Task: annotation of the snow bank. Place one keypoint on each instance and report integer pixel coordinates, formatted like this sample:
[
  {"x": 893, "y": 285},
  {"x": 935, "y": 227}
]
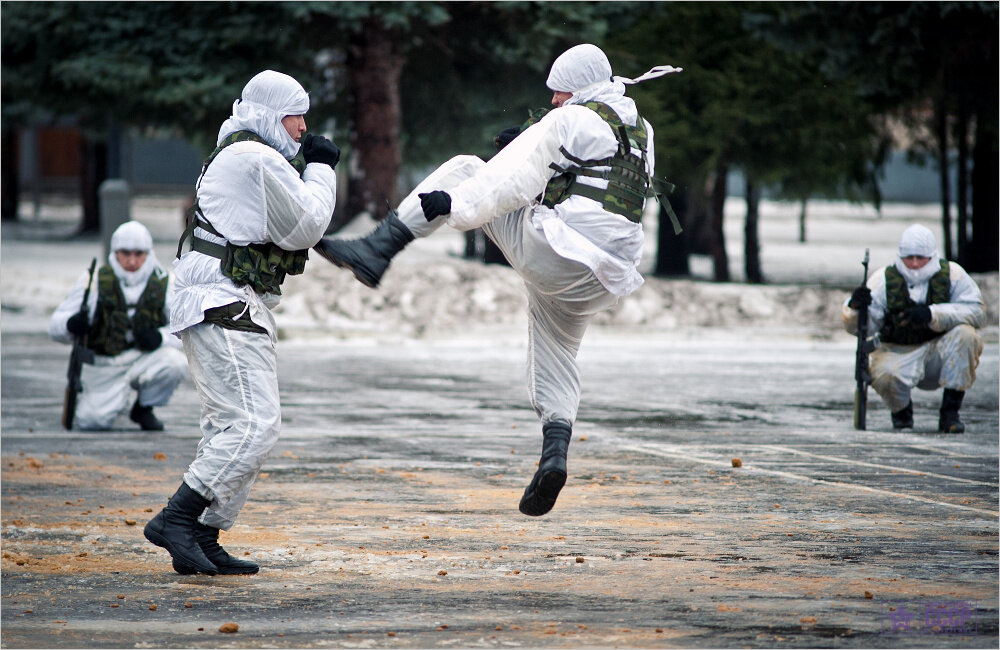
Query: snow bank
[{"x": 455, "y": 296}]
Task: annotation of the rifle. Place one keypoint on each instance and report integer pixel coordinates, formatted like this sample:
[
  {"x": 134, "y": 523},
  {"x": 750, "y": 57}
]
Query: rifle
[
  {"x": 79, "y": 356},
  {"x": 861, "y": 374}
]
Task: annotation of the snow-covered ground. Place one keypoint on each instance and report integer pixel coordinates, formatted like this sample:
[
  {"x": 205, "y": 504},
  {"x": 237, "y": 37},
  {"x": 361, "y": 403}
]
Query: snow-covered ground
[{"x": 430, "y": 291}]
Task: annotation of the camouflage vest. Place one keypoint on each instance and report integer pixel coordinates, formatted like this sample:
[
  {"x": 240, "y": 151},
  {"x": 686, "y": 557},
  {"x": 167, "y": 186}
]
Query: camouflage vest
[
  {"x": 896, "y": 329},
  {"x": 111, "y": 321},
  {"x": 262, "y": 266},
  {"x": 628, "y": 182}
]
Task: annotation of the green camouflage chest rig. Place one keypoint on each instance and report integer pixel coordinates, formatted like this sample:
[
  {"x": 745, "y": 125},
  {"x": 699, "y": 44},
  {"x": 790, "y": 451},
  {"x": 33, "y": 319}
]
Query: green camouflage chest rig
[
  {"x": 896, "y": 329},
  {"x": 262, "y": 266},
  {"x": 111, "y": 321},
  {"x": 628, "y": 182}
]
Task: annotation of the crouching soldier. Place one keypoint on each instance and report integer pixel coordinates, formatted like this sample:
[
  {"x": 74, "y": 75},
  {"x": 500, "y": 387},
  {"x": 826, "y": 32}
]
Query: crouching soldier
[
  {"x": 124, "y": 322},
  {"x": 925, "y": 312}
]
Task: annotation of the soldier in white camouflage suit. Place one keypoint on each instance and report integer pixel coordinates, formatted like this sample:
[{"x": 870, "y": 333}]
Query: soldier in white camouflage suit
[
  {"x": 563, "y": 202},
  {"x": 263, "y": 200},
  {"x": 924, "y": 312}
]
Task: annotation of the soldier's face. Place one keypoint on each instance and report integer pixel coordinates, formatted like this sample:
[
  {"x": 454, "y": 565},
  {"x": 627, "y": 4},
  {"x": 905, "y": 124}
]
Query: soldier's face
[
  {"x": 914, "y": 262},
  {"x": 295, "y": 125},
  {"x": 559, "y": 98},
  {"x": 131, "y": 261}
]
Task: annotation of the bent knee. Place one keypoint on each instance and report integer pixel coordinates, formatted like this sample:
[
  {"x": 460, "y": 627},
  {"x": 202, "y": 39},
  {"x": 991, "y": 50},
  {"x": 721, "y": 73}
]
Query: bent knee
[
  {"x": 966, "y": 337},
  {"x": 466, "y": 163}
]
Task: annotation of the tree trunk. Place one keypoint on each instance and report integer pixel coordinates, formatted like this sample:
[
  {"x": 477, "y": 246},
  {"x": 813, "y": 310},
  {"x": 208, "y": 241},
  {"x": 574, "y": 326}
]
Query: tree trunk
[
  {"x": 492, "y": 253},
  {"x": 375, "y": 66},
  {"x": 671, "y": 249},
  {"x": 94, "y": 172},
  {"x": 10, "y": 193},
  {"x": 984, "y": 247},
  {"x": 942, "y": 155},
  {"x": 962, "y": 189},
  {"x": 717, "y": 243},
  {"x": 751, "y": 240},
  {"x": 802, "y": 220}
]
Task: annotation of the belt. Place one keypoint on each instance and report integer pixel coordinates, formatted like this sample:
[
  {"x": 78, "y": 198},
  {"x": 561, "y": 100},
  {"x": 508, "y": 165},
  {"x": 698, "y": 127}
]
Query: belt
[{"x": 227, "y": 316}]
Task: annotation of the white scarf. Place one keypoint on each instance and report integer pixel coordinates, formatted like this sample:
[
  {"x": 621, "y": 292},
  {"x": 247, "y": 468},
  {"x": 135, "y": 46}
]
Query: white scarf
[
  {"x": 140, "y": 275},
  {"x": 915, "y": 277}
]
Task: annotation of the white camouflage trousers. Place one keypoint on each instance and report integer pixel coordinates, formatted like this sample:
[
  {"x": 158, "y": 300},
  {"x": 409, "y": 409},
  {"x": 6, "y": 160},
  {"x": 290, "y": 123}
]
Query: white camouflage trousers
[
  {"x": 948, "y": 361},
  {"x": 109, "y": 383},
  {"x": 563, "y": 295},
  {"x": 236, "y": 374}
]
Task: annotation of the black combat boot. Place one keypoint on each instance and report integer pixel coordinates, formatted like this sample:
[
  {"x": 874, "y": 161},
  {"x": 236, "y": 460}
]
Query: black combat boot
[
  {"x": 368, "y": 257},
  {"x": 174, "y": 529},
  {"x": 541, "y": 493},
  {"x": 208, "y": 540},
  {"x": 948, "y": 421},
  {"x": 903, "y": 418},
  {"x": 143, "y": 416}
]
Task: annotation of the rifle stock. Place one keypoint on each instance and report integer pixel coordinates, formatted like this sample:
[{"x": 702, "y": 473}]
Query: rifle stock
[
  {"x": 861, "y": 375},
  {"x": 77, "y": 357}
]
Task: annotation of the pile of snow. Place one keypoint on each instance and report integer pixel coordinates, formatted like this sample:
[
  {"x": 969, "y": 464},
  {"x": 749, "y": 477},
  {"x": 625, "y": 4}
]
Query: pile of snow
[{"x": 455, "y": 296}]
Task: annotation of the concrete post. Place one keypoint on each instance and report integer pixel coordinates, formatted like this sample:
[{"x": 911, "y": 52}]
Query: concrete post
[{"x": 113, "y": 197}]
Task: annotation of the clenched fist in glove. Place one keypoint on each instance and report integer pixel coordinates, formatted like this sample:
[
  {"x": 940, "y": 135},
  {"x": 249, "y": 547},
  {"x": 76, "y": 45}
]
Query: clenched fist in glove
[
  {"x": 918, "y": 315},
  {"x": 78, "y": 324},
  {"x": 862, "y": 297},
  {"x": 318, "y": 149},
  {"x": 506, "y": 136},
  {"x": 434, "y": 204},
  {"x": 148, "y": 340}
]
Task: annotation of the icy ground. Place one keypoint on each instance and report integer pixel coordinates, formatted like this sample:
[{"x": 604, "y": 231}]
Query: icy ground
[{"x": 431, "y": 292}]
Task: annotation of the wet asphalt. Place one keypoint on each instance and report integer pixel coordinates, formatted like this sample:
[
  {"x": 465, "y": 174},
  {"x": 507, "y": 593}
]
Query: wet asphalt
[{"x": 387, "y": 514}]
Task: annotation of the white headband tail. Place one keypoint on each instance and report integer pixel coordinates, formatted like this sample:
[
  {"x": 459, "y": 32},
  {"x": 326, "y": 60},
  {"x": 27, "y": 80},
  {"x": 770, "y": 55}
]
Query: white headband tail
[{"x": 653, "y": 73}]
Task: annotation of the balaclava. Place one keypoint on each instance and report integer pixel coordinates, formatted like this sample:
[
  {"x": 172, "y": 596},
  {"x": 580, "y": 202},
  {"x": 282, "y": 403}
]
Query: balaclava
[
  {"x": 267, "y": 98},
  {"x": 132, "y": 236},
  {"x": 918, "y": 240}
]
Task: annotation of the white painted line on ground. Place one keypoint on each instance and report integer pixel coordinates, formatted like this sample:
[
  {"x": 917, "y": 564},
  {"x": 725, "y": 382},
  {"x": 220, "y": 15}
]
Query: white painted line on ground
[
  {"x": 946, "y": 452},
  {"x": 652, "y": 448},
  {"x": 837, "y": 459}
]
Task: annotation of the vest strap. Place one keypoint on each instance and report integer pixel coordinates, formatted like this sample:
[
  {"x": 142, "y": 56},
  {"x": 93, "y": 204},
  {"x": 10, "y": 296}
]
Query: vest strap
[
  {"x": 218, "y": 251},
  {"x": 625, "y": 172}
]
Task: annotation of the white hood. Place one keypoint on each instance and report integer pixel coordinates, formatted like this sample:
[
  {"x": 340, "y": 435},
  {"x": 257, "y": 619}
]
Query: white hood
[
  {"x": 918, "y": 240},
  {"x": 267, "y": 98},
  {"x": 585, "y": 71},
  {"x": 133, "y": 236}
]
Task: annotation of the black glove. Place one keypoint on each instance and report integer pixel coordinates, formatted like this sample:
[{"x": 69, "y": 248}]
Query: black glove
[
  {"x": 435, "y": 204},
  {"x": 506, "y": 136},
  {"x": 862, "y": 297},
  {"x": 78, "y": 324},
  {"x": 148, "y": 340},
  {"x": 918, "y": 315},
  {"x": 317, "y": 149}
]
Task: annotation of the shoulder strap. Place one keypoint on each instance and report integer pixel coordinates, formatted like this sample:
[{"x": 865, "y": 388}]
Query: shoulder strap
[{"x": 634, "y": 135}]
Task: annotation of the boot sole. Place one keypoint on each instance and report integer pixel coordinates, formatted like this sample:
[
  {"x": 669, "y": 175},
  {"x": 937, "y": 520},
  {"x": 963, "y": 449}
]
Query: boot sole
[
  {"x": 363, "y": 279},
  {"x": 161, "y": 541},
  {"x": 543, "y": 498},
  {"x": 186, "y": 570}
]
